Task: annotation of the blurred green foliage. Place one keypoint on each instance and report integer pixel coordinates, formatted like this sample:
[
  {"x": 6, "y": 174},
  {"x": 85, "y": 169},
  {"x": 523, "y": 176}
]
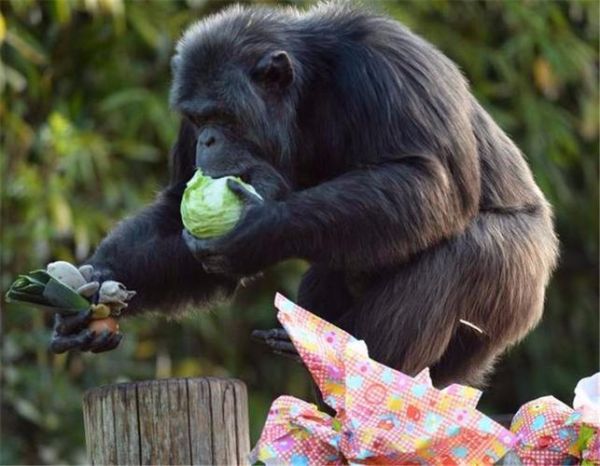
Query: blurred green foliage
[{"x": 86, "y": 129}]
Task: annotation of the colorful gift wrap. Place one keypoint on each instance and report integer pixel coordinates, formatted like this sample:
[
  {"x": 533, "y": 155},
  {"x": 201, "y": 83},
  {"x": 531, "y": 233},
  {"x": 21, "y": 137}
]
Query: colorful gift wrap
[
  {"x": 551, "y": 433},
  {"x": 382, "y": 415}
]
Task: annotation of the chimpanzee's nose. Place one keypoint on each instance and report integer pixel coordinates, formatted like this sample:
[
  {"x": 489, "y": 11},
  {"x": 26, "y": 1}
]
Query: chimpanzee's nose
[
  {"x": 207, "y": 137},
  {"x": 209, "y": 147}
]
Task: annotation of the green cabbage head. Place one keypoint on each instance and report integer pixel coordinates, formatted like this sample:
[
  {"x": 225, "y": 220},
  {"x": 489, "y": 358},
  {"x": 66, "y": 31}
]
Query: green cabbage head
[{"x": 209, "y": 208}]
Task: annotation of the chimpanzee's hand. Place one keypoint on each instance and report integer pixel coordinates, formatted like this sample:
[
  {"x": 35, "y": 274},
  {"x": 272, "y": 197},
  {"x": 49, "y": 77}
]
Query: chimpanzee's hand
[
  {"x": 235, "y": 253},
  {"x": 71, "y": 332},
  {"x": 278, "y": 340}
]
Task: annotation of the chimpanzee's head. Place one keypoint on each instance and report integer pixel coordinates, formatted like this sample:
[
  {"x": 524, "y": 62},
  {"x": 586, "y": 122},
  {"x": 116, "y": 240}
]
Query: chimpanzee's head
[
  {"x": 235, "y": 84},
  {"x": 314, "y": 94}
]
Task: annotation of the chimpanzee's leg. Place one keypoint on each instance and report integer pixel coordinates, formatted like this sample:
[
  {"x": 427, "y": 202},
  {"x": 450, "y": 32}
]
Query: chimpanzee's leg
[
  {"x": 323, "y": 292},
  {"x": 427, "y": 314}
]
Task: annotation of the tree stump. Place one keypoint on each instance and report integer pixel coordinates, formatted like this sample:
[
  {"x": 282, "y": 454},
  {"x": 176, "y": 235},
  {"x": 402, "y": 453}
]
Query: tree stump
[{"x": 168, "y": 421}]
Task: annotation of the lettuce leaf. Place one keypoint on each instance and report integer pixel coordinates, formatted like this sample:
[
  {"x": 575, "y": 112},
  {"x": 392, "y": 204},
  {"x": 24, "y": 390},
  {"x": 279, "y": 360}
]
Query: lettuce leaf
[{"x": 209, "y": 208}]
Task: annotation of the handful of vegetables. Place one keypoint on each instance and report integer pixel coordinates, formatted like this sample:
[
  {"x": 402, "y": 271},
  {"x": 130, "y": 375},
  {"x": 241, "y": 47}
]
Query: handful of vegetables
[
  {"x": 64, "y": 289},
  {"x": 209, "y": 208}
]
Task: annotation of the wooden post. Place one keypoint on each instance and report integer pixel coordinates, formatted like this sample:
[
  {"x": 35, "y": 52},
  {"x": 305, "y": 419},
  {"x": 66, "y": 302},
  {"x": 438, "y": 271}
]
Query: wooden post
[{"x": 168, "y": 421}]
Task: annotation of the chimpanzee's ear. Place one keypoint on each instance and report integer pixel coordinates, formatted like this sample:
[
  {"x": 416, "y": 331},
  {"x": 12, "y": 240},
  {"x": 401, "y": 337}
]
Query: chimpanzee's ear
[{"x": 274, "y": 70}]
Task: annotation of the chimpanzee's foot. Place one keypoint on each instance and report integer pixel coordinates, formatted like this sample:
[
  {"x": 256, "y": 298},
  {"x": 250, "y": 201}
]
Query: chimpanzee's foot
[
  {"x": 278, "y": 341},
  {"x": 71, "y": 332}
]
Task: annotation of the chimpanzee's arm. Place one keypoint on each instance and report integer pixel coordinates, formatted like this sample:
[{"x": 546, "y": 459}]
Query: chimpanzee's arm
[
  {"x": 381, "y": 215},
  {"x": 147, "y": 254},
  {"x": 361, "y": 220}
]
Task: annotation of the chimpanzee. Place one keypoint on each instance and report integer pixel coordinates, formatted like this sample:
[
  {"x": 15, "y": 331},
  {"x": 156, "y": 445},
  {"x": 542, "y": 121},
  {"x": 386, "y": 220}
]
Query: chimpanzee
[{"x": 426, "y": 233}]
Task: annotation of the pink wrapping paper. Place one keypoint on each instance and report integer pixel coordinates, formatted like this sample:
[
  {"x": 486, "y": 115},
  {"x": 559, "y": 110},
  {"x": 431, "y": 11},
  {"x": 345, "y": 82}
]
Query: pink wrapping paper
[
  {"x": 382, "y": 415},
  {"x": 548, "y": 432}
]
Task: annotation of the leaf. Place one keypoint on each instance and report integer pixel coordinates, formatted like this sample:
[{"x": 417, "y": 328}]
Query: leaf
[
  {"x": 63, "y": 297},
  {"x": 29, "y": 288},
  {"x": 62, "y": 11},
  {"x": 29, "y": 50},
  {"x": 2, "y": 28},
  {"x": 14, "y": 295},
  {"x": 28, "y": 410},
  {"x": 544, "y": 77},
  {"x": 122, "y": 98},
  {"x": 19, "y": 283},
  {"x": 146, "y": 30},
  {"x": 61, "y": 213},
  {"x": 33, "y": 289},
  {"x": 39, "y": 275}
]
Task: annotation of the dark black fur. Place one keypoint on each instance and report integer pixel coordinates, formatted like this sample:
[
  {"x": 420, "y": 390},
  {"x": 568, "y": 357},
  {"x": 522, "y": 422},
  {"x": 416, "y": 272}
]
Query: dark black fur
[{"x": 413, "y": 206}]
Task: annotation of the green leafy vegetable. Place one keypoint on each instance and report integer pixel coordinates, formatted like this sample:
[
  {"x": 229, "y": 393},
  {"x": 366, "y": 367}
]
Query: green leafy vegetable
[
  {"x": 40, "y": 289},
  {"x": 209, "y": 208},
  {"x": 63, "y": 297}
]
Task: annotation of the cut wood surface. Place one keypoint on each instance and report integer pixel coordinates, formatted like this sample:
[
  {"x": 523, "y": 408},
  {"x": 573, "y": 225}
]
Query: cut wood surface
[{"x": 168, "y": 421}]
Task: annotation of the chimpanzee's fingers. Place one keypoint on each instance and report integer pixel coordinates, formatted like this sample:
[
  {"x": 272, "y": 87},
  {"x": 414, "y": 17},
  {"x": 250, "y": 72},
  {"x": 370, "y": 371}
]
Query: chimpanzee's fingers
[
  {"x": 69, "y": 324},
  {"x": 62, "y": 343},
  {"x": 114, "y": 342},
  {"x": 199, "y": 248},
  {"x": 294, "y": 356},
  {"x": 272, "y": 334},
  {"x": 281, "y": 346},
  {"x": 99, "y": 340},
  {"x": 247, "y": 196},
  {"x": 207, "y": 253},
  {"x": 106, "y": 342},
  {"x": 190, "y": 241}
]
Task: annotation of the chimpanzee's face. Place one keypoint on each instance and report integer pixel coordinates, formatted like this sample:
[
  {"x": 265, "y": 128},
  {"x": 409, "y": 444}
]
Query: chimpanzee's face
[{"x": 236, "y": 96}]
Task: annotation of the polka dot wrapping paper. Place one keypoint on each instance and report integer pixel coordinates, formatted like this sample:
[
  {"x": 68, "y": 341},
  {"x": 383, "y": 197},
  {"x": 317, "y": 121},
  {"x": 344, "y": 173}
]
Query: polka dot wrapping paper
[
  {"x": 551, "y": 433},
  {"x": 382, "y": 415}
]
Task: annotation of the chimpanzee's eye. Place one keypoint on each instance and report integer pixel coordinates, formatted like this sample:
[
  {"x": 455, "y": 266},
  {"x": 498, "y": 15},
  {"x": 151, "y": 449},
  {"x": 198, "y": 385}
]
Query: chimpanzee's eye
[
  {"x": 189, "y": 118},
  {"x": 216, "y": 118}
]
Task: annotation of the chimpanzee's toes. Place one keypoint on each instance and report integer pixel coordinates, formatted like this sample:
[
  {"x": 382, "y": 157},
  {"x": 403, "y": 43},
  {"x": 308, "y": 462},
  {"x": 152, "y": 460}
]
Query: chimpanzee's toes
[
  {"x": 278, "y": 341},
  {"x": 272, "y": 334},
  {"x": 61, "y": 343},
  {"x": 73, "y": 323}
]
